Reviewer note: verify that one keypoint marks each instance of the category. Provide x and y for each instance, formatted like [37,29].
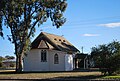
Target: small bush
[12,65]
[0,64]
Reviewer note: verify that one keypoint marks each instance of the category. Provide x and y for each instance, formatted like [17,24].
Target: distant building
[9,63]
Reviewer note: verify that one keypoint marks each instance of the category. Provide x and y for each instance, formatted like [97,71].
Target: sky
[89,23]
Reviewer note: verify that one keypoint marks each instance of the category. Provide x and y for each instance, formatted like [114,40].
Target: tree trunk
[16,63]
[19,65]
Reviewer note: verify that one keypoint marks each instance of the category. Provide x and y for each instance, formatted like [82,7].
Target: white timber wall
[68,62]
[32,62]
[61,65]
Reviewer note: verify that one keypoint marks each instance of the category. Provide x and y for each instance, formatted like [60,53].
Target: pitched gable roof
[51,41]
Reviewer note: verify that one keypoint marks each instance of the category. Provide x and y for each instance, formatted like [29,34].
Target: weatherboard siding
[32,62]
[61,65]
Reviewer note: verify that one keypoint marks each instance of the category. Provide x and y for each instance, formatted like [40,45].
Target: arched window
[43,56]
[56,59]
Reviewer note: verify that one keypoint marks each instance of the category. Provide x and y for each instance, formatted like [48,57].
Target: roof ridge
[52,34]
[60,37]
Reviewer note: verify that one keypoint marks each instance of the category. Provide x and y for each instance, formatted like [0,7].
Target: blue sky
[89,23]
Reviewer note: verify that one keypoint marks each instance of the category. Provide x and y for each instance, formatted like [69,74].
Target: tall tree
[107,57]
[21,17]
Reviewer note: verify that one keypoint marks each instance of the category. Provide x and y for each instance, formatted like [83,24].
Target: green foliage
[107,57]
[0,64]
[9,57]
[114,63]
[21,17]
[117,77]
[1,59]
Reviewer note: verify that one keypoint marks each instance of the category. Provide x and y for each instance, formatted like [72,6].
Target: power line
[76,26]
[95,19]
[88,22]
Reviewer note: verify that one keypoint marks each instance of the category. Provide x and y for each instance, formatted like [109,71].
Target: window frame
[56,59]
[43,56]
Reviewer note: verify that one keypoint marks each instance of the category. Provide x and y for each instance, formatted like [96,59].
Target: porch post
[84,63]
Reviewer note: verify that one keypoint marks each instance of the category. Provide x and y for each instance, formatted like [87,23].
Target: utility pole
[82,49]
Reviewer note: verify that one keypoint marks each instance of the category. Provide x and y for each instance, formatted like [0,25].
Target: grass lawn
[47,75]
[112,77]
[8,74]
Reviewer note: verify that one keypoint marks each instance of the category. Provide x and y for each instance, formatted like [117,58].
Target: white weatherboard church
[50,53]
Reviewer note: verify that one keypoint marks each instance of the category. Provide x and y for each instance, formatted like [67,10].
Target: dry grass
[45,75]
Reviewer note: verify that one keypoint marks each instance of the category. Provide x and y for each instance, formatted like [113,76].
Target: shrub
[0,64]
[107,57]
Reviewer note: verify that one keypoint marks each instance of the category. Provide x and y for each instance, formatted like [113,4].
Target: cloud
[90,35]
[111,25]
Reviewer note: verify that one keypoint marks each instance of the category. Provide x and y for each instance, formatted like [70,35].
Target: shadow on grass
[25,72]
[62,78]
[74,78]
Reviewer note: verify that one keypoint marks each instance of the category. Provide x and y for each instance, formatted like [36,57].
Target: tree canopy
[21,17]
[107,57]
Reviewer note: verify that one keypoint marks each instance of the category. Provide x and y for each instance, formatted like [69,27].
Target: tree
[114,64]
[107,57]
[9,57]
[99,54]
[21,17]
[1,59]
